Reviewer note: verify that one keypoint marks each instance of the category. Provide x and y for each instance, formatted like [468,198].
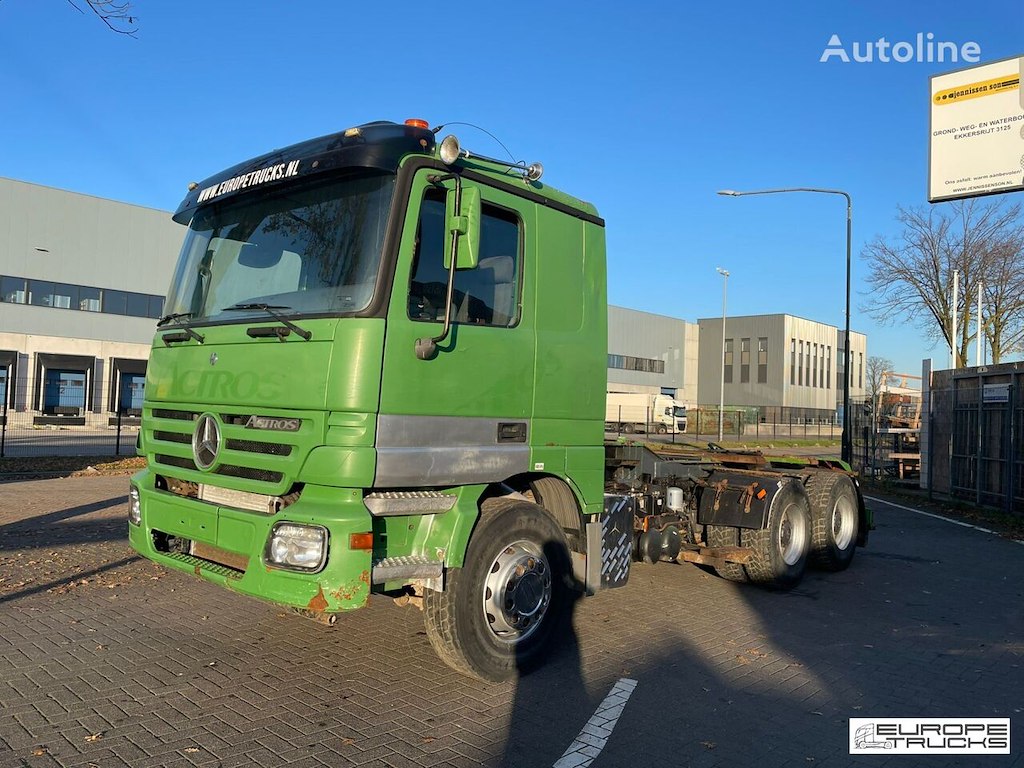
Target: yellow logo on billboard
[996,85]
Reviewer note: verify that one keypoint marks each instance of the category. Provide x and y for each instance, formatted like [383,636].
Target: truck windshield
[680,411]
[308,250]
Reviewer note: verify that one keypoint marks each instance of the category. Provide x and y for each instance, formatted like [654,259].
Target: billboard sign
[976,144]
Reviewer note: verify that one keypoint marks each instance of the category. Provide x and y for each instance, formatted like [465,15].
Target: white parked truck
[631,412]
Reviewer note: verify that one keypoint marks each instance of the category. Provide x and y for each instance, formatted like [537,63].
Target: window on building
[137,305]
[828,367]
[40,293]
[12,290]
[115,302]
[89,299]
[65,296]
[860,370]
[762,360]
[792,361]
[43,293]
[642,364]
[727,362]
[744,361]
[800,360]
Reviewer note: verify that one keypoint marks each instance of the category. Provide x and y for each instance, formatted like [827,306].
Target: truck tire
[780,550]
[628,429]
[724,536]
[834,520]
[502,609]
[782,547]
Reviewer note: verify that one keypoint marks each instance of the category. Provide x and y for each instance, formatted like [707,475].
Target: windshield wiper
[187,331]
[173,316]
[270,310]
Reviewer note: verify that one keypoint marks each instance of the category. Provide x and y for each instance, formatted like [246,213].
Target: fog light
[134,506]
[299,547]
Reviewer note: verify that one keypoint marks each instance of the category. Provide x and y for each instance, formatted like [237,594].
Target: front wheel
[500,611]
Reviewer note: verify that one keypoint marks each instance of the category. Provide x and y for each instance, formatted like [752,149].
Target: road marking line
[939,517]
[592,739]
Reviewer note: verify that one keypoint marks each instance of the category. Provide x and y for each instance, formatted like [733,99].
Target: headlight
[299,547]
[134,506]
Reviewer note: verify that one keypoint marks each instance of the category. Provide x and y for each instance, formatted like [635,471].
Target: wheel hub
[517,591]
[792,537]
[844,523]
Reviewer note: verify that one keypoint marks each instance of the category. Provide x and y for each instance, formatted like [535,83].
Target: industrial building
[778,362]
[82,281]
[652,353]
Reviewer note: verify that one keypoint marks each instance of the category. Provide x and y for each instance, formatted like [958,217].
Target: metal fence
[69,417]
[765,422]
[976,435]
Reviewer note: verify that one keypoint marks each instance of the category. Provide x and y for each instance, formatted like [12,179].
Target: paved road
[108,660]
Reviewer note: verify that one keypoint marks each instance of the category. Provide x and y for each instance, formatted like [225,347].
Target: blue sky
[645,109]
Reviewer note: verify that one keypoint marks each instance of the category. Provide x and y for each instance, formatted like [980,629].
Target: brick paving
[110,660]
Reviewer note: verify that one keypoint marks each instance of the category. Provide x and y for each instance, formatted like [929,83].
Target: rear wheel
[724,536]
[500,611]
[781,548]
[834,520]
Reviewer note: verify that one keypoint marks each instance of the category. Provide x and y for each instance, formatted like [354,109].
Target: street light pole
[847,444]
[721,392]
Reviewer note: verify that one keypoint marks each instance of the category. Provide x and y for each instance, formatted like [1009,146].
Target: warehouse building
[652,353]
[82,281]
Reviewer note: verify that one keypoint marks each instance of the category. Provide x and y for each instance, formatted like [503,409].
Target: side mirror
[464,222]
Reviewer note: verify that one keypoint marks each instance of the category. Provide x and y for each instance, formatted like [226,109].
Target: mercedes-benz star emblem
[206,441]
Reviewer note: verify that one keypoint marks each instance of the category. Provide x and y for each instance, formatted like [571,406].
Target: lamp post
[721,392]
[847,449]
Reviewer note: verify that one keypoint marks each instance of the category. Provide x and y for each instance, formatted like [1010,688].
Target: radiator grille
[268,458]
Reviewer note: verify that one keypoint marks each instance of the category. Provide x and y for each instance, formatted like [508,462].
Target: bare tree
[911,276]
[879,369]
[116,14]
[1002,296]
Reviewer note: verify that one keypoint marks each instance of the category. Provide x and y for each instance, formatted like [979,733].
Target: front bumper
[229,545]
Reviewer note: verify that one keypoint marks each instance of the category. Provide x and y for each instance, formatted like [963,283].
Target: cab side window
[486,295]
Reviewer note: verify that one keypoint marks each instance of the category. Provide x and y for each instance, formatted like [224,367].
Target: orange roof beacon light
[413,122]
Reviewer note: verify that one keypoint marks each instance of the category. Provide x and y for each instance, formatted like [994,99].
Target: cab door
[462,416]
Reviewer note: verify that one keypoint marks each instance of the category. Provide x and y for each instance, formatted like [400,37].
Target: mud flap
[610,545]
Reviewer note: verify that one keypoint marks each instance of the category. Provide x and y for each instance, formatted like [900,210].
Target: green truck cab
[369,354]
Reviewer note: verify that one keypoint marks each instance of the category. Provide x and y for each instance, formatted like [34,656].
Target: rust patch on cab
[318,602]
[357,590]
